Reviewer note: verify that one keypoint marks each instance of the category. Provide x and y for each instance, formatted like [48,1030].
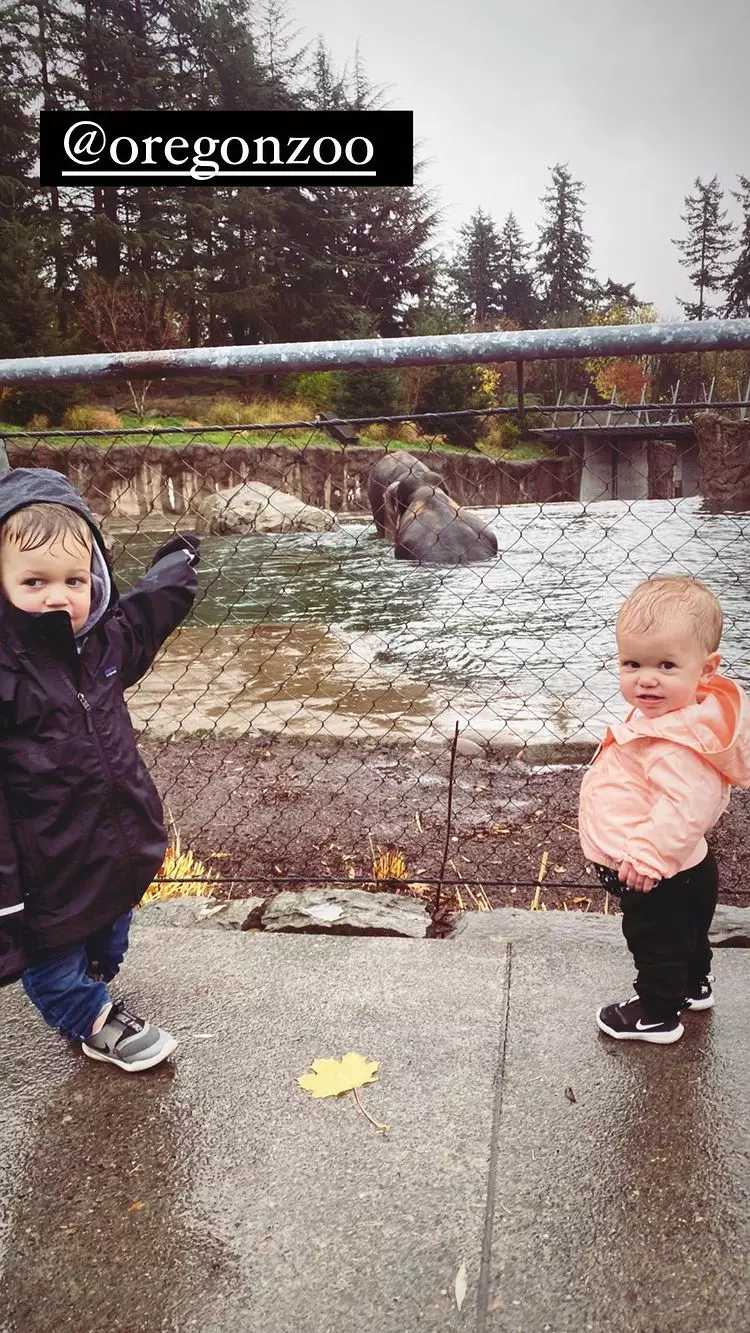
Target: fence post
[4,464]
[519,394]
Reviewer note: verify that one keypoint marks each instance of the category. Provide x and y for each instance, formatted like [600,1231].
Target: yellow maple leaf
[331,1078]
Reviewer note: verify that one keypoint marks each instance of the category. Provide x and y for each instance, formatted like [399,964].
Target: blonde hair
[41,524]
[660,599]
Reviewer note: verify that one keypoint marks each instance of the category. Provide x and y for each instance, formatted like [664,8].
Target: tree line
[121,267]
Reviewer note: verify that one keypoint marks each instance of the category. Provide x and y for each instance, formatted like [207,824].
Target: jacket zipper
[88,713]
[86,706]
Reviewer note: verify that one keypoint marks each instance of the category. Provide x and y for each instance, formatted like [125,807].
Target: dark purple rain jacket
[81,831]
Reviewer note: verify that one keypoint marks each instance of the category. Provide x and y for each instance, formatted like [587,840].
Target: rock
[346,912]
[730,928]
[724,461]
[230,915]
[255,507]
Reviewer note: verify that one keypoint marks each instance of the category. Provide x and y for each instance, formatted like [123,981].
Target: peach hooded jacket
[657,785]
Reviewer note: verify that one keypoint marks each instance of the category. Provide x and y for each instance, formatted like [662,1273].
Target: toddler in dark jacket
[81,823]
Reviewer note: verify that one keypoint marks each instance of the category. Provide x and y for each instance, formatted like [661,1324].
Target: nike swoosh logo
[646,1027]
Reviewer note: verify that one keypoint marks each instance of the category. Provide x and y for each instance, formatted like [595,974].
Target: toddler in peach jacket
[657,784]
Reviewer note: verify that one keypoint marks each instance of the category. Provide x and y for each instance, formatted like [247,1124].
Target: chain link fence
[300,725]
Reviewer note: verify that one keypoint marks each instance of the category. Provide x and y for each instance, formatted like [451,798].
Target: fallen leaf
[461,1285]
[329,1078]
[136,1207]
[569,1093]
[497,828]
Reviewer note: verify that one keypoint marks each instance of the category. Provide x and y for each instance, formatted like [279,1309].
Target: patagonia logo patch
[110,671]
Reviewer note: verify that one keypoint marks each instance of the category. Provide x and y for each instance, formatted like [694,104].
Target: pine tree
[27,324]
[516,298]
[327,89]
[708,241]
[738,279]
[564,251]
[280,57]
[476,273]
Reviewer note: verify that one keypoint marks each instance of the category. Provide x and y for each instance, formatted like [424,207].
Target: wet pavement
[585,1184]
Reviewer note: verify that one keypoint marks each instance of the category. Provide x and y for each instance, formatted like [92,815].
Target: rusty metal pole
[378,353]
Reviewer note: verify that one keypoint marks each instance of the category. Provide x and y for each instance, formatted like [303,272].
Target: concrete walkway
[585,1184]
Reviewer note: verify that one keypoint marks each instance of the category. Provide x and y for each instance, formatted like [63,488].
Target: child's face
[54,577]
[660,669]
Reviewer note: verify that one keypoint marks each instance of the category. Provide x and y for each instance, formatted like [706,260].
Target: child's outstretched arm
[12,956]
[688,798]
[157,604]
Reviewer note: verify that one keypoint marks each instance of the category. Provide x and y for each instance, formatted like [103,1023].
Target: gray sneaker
[129,1042]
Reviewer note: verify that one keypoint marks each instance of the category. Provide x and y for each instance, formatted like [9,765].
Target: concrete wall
[155,482]
[150,483]
[636,470]
[724,453]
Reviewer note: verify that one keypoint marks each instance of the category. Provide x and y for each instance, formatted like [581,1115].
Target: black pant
[667,933]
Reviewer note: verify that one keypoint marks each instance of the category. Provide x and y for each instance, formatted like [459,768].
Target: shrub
[380,431]
[368,393]
[85,417]
[316,389]
[38,422]
[408,432]
[503,435]
[19,405]
[454,389]
[226,412]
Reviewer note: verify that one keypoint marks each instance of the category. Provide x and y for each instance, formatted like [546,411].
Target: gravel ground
[257,810]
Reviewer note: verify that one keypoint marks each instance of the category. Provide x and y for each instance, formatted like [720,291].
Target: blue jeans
[68,985]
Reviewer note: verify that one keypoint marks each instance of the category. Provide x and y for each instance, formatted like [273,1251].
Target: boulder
[323,911]
[255,507]
[227,915]
[730,928]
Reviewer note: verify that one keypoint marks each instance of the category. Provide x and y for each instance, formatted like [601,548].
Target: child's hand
[182,541]
[629,876]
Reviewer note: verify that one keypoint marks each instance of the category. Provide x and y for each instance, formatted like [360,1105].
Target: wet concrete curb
[730,928]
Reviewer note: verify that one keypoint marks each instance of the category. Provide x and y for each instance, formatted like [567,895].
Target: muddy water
[329,634]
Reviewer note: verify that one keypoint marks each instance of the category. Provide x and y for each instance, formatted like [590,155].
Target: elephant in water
[430,527]
[387,470]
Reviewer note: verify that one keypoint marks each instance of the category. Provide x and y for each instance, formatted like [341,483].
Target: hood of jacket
[40,485]
[716,726]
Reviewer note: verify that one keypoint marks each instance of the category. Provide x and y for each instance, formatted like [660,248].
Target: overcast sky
[638,96]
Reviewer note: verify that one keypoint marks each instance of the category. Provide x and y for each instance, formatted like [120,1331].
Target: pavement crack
[485,1275]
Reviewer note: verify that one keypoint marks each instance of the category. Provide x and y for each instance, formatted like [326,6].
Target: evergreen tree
[27,325]
[615,294]
[563,251]
[516,297]
[281,59]
[708,241]
[476,272]
[326,89]
[738,279]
